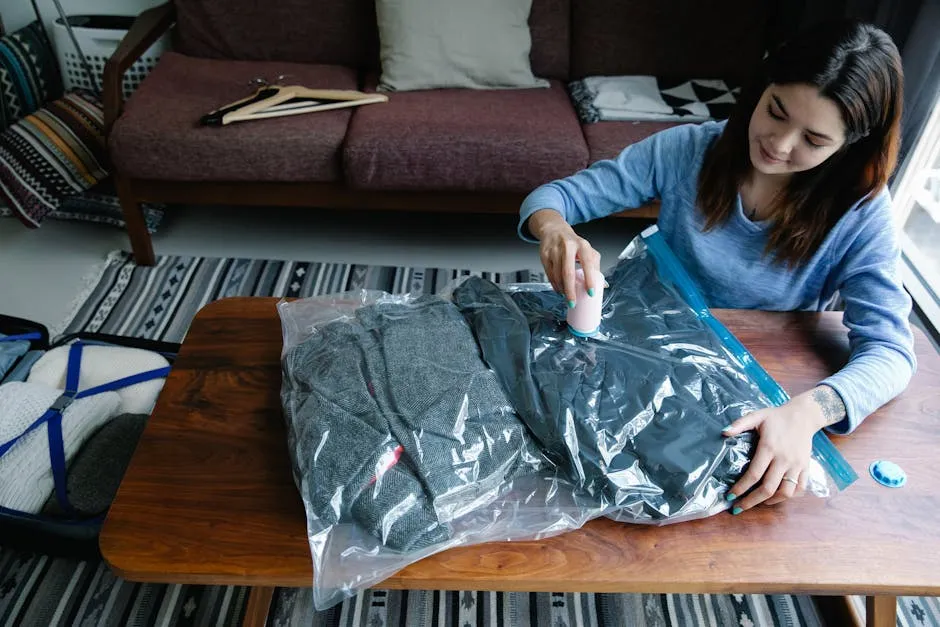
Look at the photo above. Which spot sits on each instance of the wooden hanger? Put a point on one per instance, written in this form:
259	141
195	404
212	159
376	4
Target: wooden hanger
272	101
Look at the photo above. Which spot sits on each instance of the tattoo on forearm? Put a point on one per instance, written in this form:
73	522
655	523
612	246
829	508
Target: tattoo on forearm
831	404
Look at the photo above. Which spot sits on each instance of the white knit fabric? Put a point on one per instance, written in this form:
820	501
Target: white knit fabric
103	364
26	481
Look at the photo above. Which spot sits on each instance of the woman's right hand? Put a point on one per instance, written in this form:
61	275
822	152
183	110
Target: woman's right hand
560	247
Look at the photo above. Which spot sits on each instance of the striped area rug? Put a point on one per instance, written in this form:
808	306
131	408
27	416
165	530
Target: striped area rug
159	303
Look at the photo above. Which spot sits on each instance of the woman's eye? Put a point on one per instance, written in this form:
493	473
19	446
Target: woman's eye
770	111
809	141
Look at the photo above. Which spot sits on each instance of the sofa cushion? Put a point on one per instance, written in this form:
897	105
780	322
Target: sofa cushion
606	140
550	29
305	31
667	38
472	140
158	136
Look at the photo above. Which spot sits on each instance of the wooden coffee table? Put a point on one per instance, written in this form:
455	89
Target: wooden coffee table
209	498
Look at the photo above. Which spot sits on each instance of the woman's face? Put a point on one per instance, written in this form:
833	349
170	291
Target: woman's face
793	128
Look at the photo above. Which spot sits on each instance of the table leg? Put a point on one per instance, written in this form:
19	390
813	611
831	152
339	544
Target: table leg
881	611
259	604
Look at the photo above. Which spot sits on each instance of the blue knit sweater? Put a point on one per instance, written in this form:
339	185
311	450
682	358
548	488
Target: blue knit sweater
859	258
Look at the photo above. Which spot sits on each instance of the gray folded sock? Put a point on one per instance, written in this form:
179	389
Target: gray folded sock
97	470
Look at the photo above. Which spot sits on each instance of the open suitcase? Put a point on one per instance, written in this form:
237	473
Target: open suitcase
60	528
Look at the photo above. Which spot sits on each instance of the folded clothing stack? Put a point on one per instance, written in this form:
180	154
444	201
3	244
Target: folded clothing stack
634	414
397	426
26	476
25	469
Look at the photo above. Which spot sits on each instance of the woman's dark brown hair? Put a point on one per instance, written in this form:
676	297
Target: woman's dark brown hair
858	67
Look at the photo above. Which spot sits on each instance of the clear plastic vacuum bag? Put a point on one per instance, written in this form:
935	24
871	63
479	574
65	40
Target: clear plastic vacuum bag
417	424
403	442
634	413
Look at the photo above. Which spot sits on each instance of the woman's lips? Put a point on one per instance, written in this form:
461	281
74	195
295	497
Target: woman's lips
767	156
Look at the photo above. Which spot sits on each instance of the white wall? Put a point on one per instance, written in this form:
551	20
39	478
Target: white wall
19	13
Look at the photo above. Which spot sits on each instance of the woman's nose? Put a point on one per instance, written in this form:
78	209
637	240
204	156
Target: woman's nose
781	145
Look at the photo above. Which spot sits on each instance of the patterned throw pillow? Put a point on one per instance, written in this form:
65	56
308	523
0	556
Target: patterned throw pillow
650	98
54	163
29	76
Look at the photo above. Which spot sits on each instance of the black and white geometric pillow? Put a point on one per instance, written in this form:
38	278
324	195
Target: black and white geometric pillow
650	98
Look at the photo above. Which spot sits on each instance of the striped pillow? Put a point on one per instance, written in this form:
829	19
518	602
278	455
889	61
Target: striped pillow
56	152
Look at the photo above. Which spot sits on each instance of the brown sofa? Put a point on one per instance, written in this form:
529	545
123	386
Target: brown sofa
438	150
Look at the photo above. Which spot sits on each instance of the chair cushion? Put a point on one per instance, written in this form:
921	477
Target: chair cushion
463	139
158	136
606	140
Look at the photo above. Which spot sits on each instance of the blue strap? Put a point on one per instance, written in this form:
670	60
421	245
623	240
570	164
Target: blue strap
57	456
73	369
140	377
35	335
38	423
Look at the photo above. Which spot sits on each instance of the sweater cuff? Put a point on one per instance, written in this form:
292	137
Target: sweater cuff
544	197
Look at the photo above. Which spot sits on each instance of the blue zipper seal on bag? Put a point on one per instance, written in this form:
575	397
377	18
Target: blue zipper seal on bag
671	269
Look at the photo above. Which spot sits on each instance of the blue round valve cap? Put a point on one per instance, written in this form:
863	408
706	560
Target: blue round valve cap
888	473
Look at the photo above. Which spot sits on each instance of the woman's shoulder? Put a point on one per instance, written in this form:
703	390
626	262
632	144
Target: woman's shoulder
875	209
869	220
692	134
683	147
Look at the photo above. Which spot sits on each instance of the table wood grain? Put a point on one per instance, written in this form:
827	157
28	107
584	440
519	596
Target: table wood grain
209	499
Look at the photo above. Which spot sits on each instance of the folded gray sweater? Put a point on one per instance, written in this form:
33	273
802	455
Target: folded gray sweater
397	425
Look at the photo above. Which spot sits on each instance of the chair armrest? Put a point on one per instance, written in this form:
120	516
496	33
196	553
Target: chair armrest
143	33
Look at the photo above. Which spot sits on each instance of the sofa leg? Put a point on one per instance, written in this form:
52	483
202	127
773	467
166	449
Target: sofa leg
141	244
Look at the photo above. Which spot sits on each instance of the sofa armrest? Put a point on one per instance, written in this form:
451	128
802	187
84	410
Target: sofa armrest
144	32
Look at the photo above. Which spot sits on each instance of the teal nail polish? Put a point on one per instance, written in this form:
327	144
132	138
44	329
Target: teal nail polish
731	496
570	304
591	292
736	511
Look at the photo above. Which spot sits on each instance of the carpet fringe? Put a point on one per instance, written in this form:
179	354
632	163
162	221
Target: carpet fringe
88	284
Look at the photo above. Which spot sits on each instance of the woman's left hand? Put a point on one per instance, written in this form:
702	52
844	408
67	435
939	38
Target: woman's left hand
779	467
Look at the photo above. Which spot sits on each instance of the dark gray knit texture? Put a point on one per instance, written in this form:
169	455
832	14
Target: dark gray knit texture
406	377
635	414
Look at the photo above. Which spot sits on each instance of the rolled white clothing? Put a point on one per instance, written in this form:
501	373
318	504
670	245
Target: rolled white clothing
26	480
103	364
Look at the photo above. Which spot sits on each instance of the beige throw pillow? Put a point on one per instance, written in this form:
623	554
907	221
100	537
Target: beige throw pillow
477	44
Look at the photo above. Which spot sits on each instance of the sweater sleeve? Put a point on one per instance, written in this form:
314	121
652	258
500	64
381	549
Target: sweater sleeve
877	307
639	174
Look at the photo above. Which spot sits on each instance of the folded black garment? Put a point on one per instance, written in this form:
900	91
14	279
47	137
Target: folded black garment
397	425
633	414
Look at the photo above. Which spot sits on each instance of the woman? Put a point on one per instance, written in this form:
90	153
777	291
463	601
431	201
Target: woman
784	206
